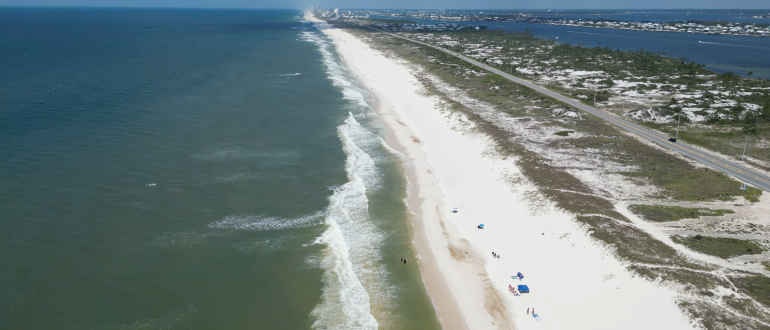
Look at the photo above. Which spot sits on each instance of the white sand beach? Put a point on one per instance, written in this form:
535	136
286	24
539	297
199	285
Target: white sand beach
575	283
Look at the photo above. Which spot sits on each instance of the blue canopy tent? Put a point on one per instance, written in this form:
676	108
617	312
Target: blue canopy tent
523	289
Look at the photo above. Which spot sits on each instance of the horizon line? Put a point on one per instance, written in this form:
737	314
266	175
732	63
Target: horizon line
403	9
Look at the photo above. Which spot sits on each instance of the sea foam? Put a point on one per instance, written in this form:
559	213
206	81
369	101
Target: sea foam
261	222
354	278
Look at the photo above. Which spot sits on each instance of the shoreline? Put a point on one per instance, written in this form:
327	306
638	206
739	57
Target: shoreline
431	232
452	167
421	193
446	306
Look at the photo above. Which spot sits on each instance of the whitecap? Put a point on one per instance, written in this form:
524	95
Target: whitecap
355	277
262	222
166	322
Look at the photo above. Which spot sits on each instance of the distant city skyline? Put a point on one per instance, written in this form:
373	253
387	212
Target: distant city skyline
405	4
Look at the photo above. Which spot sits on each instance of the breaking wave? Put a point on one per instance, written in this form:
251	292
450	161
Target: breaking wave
355	288
261	223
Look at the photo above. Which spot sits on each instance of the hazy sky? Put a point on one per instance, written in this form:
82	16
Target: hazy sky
411	4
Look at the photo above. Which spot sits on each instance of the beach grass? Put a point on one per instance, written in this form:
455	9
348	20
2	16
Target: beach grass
564	189
715	317
673	84
725	138
756	286
723	247
678	178
663	213
634	245
746	306
699	282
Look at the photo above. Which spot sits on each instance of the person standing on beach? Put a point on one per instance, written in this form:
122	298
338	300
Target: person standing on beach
527	310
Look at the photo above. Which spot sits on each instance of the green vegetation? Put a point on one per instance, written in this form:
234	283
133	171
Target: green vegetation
766	264
714	317
745	306
701	283
633	244
647	256
389	21
679	178
756	286
662	213
722	247
569	193
728	103
726	138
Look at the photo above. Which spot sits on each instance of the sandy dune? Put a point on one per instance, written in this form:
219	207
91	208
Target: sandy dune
574	282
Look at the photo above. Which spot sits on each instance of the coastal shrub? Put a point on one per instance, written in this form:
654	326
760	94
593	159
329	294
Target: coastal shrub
633	244
728	77
699	282
688	80
723	247
756	286
677	178
607	82
715	317
663	213
746	306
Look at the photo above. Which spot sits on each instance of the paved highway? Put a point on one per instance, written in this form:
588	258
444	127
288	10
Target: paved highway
743	174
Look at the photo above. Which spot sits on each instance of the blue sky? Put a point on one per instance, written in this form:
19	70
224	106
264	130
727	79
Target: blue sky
411	4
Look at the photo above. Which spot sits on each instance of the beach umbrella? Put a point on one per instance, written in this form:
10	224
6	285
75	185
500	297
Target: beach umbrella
481	225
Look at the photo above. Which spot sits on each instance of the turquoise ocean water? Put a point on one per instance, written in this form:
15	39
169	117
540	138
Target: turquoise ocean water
194	169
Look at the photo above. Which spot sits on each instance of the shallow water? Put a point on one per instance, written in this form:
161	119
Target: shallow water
208	169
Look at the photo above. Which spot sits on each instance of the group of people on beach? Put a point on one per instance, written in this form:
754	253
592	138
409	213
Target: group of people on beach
513	290
495	255
403	260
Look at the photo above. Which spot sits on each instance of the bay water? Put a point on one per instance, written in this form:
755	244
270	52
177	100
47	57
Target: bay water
194	169
720	53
